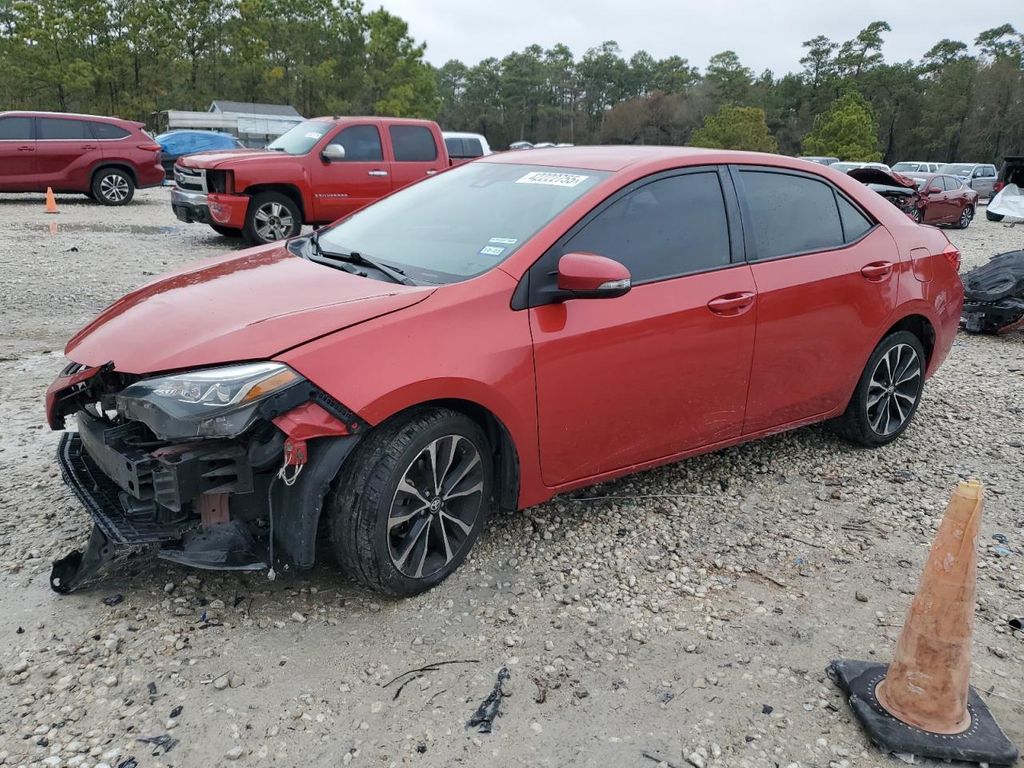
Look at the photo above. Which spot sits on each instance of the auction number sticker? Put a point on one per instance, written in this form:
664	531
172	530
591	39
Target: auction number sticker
491	250
552	179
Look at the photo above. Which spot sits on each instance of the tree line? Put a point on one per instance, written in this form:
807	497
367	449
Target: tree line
135	58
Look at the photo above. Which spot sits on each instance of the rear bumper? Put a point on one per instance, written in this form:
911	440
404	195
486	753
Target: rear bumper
150	176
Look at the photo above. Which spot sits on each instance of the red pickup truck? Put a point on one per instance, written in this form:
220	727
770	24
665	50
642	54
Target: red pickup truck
319	171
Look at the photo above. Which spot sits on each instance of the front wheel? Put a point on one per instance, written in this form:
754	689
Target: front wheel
966	216
887	394
993	216
271	217
411	502
918	215
112	186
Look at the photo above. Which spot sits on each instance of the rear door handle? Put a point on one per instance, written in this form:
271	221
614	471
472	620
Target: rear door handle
377	173
731	303
89	146
877	270
431	172
26	149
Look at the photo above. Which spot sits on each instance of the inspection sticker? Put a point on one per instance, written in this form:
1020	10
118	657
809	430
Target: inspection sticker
552	179
491	250
503	240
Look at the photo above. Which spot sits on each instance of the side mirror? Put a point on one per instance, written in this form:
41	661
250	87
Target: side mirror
589	276
933	190
332	152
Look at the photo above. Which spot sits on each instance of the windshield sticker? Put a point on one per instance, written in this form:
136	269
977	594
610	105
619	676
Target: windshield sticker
553	179
491	250
312	135
503	241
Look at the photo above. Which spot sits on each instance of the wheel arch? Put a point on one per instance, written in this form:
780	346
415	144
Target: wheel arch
920	326
288	190
119	165
506	455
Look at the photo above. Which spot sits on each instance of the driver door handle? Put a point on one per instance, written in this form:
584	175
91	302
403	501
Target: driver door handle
26	149
731	303
377	173
431	172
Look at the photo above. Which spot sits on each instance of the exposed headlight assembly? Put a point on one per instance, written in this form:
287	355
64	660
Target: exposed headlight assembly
209	402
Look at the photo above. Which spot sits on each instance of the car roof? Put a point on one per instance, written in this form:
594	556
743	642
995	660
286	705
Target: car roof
616	158
70	115
370	118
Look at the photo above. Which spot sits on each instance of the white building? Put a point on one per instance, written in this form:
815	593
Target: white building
253	123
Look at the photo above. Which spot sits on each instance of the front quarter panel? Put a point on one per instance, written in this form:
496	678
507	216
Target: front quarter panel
462	343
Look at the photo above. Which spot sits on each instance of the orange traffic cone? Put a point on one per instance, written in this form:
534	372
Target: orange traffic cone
922	704
51	202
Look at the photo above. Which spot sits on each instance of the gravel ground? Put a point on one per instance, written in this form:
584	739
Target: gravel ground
687	612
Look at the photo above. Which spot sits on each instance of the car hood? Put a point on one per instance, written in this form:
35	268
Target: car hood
244	306
233	157
878	176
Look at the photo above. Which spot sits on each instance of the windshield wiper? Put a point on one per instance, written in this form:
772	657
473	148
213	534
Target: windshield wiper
313	241
354	257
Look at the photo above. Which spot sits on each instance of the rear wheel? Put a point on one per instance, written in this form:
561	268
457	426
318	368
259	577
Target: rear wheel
411	503
271	217
887	394
113	186
226	231
966	216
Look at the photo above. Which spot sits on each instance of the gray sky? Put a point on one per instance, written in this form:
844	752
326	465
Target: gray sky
765	33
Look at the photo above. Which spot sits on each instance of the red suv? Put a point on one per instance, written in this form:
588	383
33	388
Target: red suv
104	157
514	328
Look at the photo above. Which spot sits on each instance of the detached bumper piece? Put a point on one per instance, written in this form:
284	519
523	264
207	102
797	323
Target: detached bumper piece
994	295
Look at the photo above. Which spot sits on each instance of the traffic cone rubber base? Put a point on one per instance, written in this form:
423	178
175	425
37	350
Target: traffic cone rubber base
981	742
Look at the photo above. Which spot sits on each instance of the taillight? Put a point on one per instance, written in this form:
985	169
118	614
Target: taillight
952	255
999	185
149	147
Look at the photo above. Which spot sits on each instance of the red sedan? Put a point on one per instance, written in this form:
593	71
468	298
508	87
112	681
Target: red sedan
511	329
944	200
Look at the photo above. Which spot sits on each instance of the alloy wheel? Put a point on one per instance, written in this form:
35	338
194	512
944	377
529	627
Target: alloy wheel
894	389
965	216
273	221
436	506
114	187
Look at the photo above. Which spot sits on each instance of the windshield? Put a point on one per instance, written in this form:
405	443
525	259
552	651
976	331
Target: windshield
300	139
462	222
957	169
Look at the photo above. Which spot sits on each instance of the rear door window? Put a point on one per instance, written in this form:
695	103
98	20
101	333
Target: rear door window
361	144
791	214
667	228
413	143
62	129
107	131
16	129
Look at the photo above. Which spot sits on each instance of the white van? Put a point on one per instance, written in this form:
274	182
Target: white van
463	147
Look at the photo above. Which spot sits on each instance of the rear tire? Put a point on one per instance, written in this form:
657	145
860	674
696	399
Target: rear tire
887	394
395	527
112	186
271	217
226	231
966	217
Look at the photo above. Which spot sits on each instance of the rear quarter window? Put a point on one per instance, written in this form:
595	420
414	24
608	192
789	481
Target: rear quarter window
107	131
855	224
413	143
791	214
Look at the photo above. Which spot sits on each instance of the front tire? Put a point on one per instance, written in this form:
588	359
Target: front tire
113	186
993	216
271	217
887	394
411	502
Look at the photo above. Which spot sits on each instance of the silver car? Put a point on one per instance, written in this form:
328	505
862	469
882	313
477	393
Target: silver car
981	177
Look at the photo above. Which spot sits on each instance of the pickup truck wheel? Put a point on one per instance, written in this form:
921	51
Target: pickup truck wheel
888	393
411	501
271	217
112	186
226	231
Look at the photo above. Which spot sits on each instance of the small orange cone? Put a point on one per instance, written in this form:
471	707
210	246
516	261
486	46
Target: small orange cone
922	704
51	202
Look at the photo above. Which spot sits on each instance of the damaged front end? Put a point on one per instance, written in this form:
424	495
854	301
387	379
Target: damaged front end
994	295
896	188
209	468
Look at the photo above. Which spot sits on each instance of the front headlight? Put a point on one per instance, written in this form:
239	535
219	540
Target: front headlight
210	402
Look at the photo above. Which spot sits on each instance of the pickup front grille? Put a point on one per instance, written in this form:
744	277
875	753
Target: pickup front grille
191	179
